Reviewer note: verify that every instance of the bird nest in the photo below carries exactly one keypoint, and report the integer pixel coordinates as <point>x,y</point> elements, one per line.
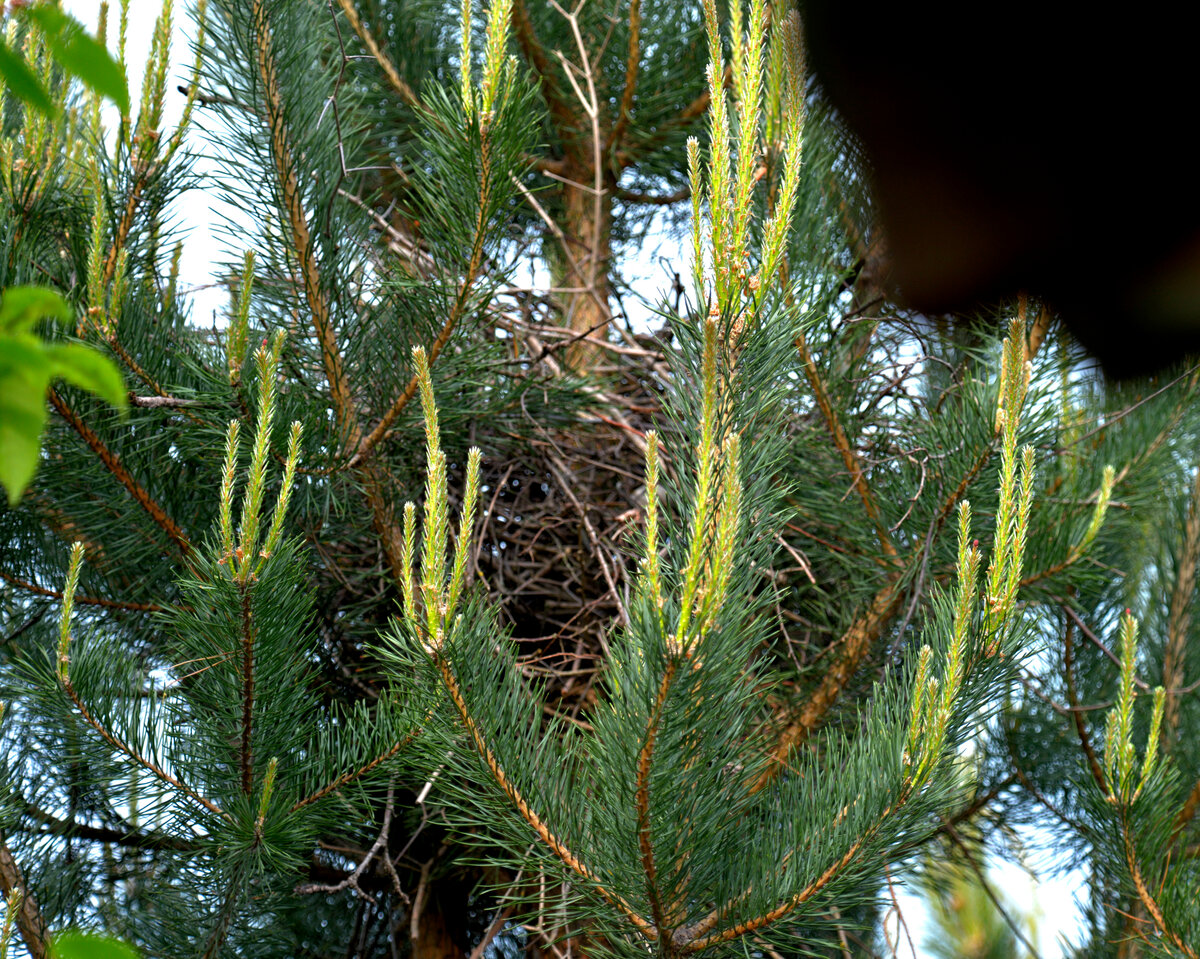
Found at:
<point>557,542</point>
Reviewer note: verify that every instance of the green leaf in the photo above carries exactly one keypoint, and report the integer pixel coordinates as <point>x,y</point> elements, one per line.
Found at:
<point>22,81</point>
<point>81,54</point>
<point>22,306</point>
<point>27,367</point>
<point>83,945</point>
<point>88,368</point>
<point>25,373</point>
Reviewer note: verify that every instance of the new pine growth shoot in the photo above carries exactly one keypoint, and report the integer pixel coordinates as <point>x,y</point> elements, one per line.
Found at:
<point>1119,752</point>
<point>241,549</point>
<point>441,586</point>
<point>933,699</point>
<point>12,905</point>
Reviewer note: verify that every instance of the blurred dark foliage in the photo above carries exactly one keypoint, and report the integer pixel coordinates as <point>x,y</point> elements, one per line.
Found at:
<point>1030,146</point>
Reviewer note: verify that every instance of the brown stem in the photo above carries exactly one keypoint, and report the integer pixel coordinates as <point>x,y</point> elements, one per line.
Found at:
<point>645,757</point>
<point>566,121</point>
<point>114,465</point>
<point>649,199</point>
<point>82,600</point>
<point>355,773</point>
<point>1037,333</point>
<point>508,787</point>
<point>129,838</point>
<point>687,937</point>
<point>1147,898</point>
<point>247,757</point>
<point>474,266</point>
<point>849,457</point>
<point>987,888</point>
<point>122,747</point>
<point>685,118</point>
<point>855,643</point>
<point>220,932</point>
<point>32,926</point>
<point>632,62</point>
<point>341,391</point>
<point>1187,811</point>
<point>587,250</point>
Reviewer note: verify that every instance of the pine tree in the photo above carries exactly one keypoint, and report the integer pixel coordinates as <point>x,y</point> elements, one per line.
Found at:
<point>267,691</point>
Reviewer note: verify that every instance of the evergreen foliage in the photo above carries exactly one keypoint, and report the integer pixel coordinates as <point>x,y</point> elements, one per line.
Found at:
<point>258,697</point>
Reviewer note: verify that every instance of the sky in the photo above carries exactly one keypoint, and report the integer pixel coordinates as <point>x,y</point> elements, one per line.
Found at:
<point>200,217</point>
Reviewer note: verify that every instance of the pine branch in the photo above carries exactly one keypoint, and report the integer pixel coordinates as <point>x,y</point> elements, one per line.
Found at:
<point>461,301</point>
<point>122,747</point>
<point>854,646</point>
<point>341,391</point>
<point>693,939</point>
<point>248,640</point>
<point>63,672</point>
<point>987,888</point>
<point>225,915</point>
<point>128,838</point>
<point>648,199</point>
<point>301,245</point>
<point>567,121</point>
<point>1147,897</point>
<point>1085,740</point>
<point>354,774</point>
<point>508,787</point>
<point>849,456</point>
<point>682,121</point>
<point>113,464</point>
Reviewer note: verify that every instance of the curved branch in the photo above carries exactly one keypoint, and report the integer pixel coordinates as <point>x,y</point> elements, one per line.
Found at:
<point>1085,740</point>
<point>649,199</point>
<point>247,756</point>
<point>855,643</point>
<point>565,119</point>
<point>354,774</point>
<point>1147,897</point>
<point>83,600</point>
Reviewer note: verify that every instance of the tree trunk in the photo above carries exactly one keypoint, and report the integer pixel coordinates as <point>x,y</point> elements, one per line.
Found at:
<point>586,255</point>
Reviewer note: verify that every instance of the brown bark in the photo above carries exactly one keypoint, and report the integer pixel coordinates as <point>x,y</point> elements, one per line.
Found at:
<point>433,935</point>
<point>30,923</point>
<point>586,248</point>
